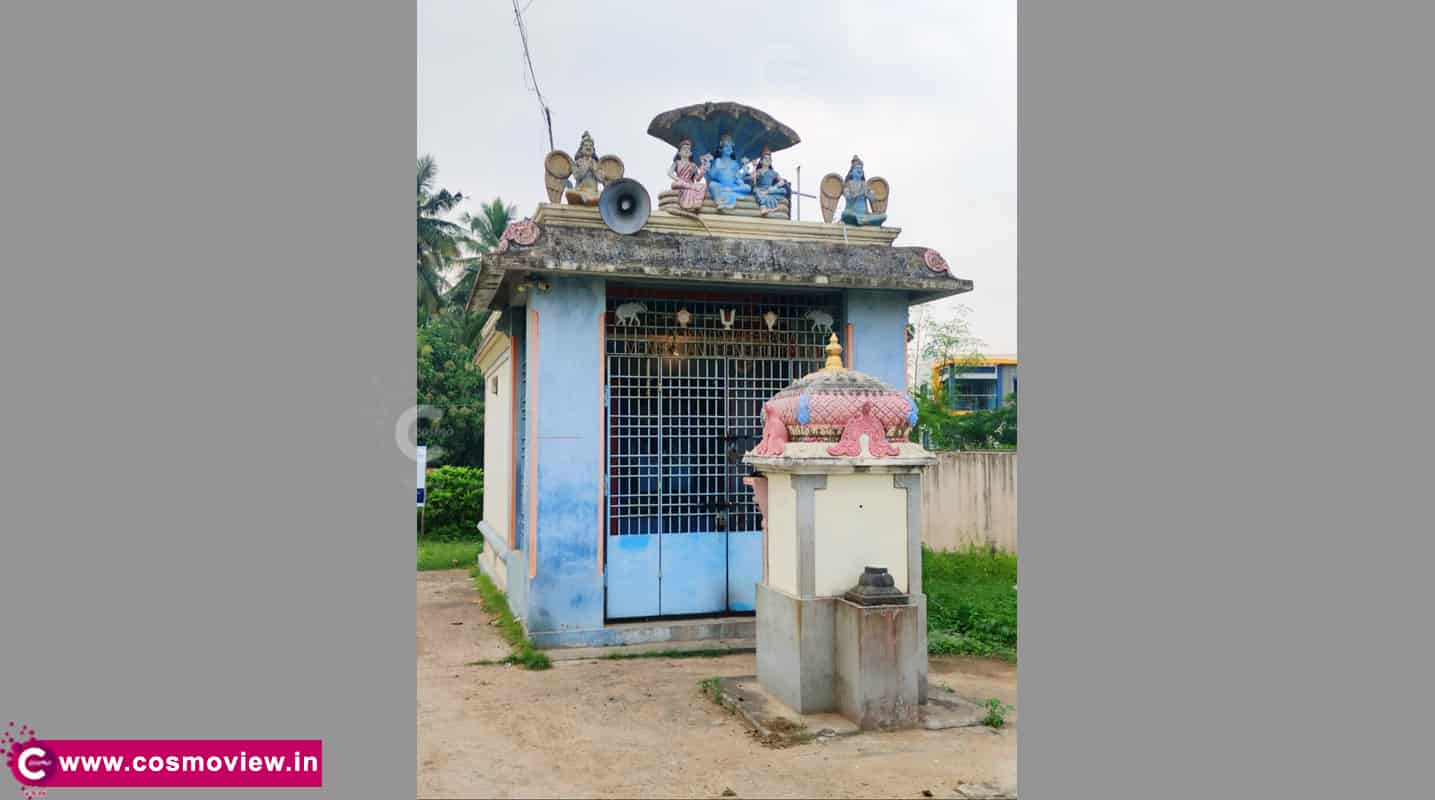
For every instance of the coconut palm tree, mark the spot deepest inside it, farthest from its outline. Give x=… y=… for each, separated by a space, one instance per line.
x=493 y=217
x=486 y=229
x=440 y=242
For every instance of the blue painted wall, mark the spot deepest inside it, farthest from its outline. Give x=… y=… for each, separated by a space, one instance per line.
x=879 y=328
x=1007 y=380
x=567 y=591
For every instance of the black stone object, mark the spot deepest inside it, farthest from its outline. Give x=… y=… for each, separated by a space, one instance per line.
x=876 y=588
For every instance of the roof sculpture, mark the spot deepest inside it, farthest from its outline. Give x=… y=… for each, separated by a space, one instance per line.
x=724 y=220
x=704 y=124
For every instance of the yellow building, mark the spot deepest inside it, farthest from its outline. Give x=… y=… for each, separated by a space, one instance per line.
x=962 y=385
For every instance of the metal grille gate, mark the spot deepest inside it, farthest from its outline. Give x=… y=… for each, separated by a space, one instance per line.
x=686 y=379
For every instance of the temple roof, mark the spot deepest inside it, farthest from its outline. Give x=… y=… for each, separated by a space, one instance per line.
x=573 y=241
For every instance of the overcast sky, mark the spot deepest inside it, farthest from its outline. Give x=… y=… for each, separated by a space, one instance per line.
x=924 y=92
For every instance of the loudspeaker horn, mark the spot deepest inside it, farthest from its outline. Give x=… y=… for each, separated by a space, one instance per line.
x=625 y=206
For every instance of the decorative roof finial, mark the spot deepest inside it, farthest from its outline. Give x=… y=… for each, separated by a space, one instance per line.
x=834 y=355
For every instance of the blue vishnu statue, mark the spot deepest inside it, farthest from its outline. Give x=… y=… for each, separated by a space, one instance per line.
x=859 y=198
x=725 y=178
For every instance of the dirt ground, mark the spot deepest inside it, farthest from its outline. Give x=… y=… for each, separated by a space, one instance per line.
x=641 y=728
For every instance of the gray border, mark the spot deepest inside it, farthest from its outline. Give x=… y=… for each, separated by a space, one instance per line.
x=207 y=323
x=1224 y=206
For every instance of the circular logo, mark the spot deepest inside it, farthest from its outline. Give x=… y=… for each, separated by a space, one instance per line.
x=934 y=260
x=33 y=763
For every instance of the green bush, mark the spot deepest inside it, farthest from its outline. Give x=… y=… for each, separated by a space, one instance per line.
x=971 y=602
x=454 y=503
x=975 y=430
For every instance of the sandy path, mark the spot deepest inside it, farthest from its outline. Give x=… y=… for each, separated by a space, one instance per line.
x=640 y=728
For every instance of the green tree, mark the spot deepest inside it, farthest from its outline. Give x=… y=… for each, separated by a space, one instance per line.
x=450 y=384
x=973 y=430
x=947 y=340
x=440 y=242
x=493 y=218
x=950 y=339
x=486 y=229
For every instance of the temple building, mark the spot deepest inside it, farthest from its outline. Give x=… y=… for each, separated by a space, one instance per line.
x=634 y=347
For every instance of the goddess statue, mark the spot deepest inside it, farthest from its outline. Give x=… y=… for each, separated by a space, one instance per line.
x=688 y=178
x=859 y=197
x=768 y=188
x=725 y=178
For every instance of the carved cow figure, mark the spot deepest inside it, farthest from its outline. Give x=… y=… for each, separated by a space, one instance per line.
x=821 y=320
x=628 y=313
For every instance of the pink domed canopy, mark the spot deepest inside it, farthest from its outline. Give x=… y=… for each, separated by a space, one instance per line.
x=837 y=405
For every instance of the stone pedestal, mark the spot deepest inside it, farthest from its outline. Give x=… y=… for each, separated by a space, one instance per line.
x=879 y=663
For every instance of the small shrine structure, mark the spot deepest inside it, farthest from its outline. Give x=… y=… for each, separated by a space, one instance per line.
x=634 y=349
x=841 y=618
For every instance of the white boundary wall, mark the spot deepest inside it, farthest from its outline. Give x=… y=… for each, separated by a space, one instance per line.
x=969 y=497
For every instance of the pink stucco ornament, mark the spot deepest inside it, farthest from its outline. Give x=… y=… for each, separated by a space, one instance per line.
x=934 y=261
x=523 y=232
x=774 y=433
x=851 y=443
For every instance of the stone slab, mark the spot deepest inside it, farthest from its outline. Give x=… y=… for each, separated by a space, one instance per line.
x=947 y=709
x=779 y=725
x=812 y=457
x=776 y=723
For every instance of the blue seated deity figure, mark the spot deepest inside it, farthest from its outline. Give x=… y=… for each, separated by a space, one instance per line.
x=770 y=189
x=858 y=198
x=725 y=178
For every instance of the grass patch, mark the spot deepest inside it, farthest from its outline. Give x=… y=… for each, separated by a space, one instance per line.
x=712 y=689
x=971 y=602
x=996 y=713
x=708 y=653
x=448 y=555
x=524 y=654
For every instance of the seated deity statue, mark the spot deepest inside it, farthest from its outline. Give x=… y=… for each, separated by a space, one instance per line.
x=586 y=174
x=579 y=180
x=725 y=177
x=769 y=188
x=859 y=198
x=689 y=179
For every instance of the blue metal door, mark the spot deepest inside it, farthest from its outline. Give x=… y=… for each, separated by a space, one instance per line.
x=686 y=379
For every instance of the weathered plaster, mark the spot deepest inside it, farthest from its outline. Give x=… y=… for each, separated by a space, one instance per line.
x=566 y=591
x=677 y=257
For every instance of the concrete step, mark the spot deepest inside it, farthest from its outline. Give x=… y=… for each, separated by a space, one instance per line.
x=670 y=633
x=723 y=646
x=692 y=630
